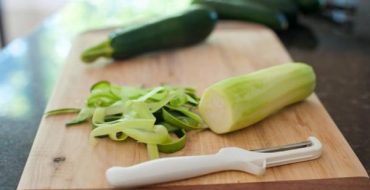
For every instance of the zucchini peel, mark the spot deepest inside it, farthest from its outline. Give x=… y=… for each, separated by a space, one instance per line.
x=158 y=117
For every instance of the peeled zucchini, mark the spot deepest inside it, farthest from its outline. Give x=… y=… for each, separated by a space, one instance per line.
x=241 y=101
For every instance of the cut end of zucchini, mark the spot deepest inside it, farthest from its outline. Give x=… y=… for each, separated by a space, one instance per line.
x=103 y=49
x=215 y=111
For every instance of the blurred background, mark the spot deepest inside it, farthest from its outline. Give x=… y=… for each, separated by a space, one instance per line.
x=37 y=35
x=20 y=17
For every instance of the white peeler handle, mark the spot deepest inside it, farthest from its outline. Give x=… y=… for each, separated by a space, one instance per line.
x=231 y=158
x=176 y=168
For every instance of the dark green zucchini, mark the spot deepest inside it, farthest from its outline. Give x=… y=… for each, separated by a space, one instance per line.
x=247 y=11
x=182 y=29
x=288 y=7
x=309 y=6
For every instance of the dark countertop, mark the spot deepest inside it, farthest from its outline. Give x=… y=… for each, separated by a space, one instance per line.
x=30 y=66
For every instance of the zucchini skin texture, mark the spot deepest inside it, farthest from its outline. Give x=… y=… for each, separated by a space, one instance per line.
x=182 y=29
x=247 y=11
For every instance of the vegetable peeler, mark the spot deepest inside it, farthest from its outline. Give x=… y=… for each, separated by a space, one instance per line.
x=230 y=158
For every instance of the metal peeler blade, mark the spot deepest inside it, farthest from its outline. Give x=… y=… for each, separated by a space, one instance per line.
x=284 y=147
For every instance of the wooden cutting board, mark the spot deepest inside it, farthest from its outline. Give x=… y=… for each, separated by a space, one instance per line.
x=63 y=158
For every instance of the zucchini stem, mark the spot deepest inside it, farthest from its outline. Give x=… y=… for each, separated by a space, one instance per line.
x=103 y=49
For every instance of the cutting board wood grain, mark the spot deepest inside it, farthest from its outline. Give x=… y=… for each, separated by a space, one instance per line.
x=62 y=157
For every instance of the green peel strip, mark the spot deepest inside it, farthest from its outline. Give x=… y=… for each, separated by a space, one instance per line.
x=62 y=111
x=82 y=116
x=158 y=117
